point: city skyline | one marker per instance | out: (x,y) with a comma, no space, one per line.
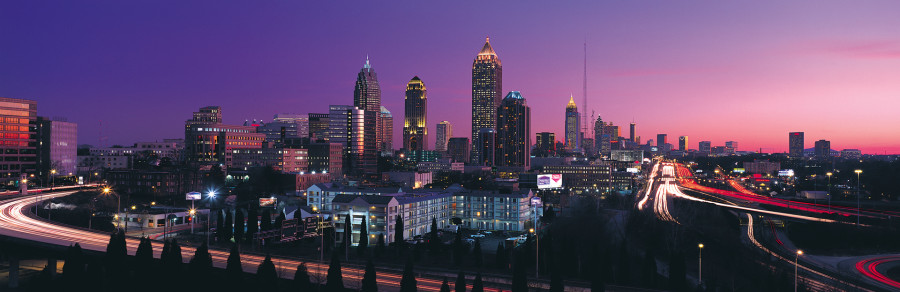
(747,77)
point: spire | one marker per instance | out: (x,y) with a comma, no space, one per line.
(487,49)
(367,65)
(571,102)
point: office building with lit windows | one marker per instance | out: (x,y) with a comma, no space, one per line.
(513,132)
(18,138)
(367,97)
(795,144)
(415,132)
(443,132)
(57,147)
(487,92)
(572,126)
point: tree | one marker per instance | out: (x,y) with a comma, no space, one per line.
(252,223)
(201,264)
(219,226)
(266,220)
(433,240)
(476,254)
(363,238)
(73,268)
(348,231)
(379,247)
(398,231)
(279,220)
(460,285)
(334,281)
(266,276)
(478,286)
(459,249)
(301,279)
(228,231)
(368,282)
(624,266)
(444,286)
(520,279)
(408,282)
(234,274)
(238,225)
(500,257)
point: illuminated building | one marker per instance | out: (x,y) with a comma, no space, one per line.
(443,132)
(851,154)
(762,166)
(487,146)
(387,130)
(573,139)
(56,147)
(513,131)
(487,91)
(795,144)
(731,146)
(459,148)
(367,97)
(415,133)
(18,144)
(318,126)
(207,141)
(683,143)
(631,134)
(545,144)
(593,177)
(347,128)
(823,149)
(705,147)
(661,140)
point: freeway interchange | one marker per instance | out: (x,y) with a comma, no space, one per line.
(668,181)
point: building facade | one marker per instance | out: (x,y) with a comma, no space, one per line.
(545,144)
(459,149)
(823,149)
(487,91)
(795,144)
(347,129)
(705,147)
(683,143)
(386,147)
(18,144)
(572,126)
(513,131)
(443,133)
(57,148)
(319,125)
(415,132)
(367,97)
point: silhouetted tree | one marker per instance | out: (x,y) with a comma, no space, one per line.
(238,225)
(459,249)
(434,242)
(649,269)
(398,232)
(200,266)
(624,266)
(279,220)
(476,254)
(266,276)
(408,282)
(444,286)
(363,238)
(519,280)
(334,281)
(74,266)
(501,256)
(556,277)
(460,285)
(252,223)
(379,247)
(368,282)
(228,228)
(266,221)
(478,285)
(234,273)
(348,231)
(302,281)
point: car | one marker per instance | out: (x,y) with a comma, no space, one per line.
(476,235)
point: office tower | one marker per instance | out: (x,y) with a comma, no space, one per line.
(573,127)
(283,126)
(513,131)
(795,144)
(57,147)
(823,149)
(302,122)
(18,137)
(661,140)
(588,145)
(443,132)
(487,145)
(631,134)
(387,129)
(705,147)
(602,136)
(545,144)
(367,97)
(731,146)
(459,148)
(415,133)
(318,126)
(487,91)
(208,141)
(683,143)
(347,128)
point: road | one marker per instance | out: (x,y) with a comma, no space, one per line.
(16,222)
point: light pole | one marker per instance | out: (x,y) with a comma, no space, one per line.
(700,265)
(52,178)
(210,197)
(858,171)
(796,258)
(107,191)
(829,174)
(537,255)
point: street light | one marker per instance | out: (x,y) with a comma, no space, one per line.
(52,178)
(858,171)
(107,191)
(829,189)
(537,254)
(796,258)
(211,196)
(700,265)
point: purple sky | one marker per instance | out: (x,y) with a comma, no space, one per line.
(748,71)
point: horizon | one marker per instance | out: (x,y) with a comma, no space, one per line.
(751,74)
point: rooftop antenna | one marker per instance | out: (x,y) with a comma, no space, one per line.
(584,128)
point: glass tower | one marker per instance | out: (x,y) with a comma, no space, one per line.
(487,91)
(414,131)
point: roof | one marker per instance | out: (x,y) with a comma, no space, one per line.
(371,199)
(514,95)
(487,49)
(571,103)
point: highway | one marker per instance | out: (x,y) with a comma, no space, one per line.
(15,221)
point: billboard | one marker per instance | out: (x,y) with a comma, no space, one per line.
(548,181)
(192,196)
(786,172)
(632,170)
(267,202)
(738,170)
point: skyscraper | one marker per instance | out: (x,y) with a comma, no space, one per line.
(573,126)
(823,149)
(661,140)
(443,132)
(795,144)
(318,126)
(545,145)
(57,147)
(459,148)
(487,146)
(683,143)
(631,133)
(513,131)
(602,138)
(347,128)
(415,133)
(731,146)
(208,141)
(705,147)
(18,149)
(387,131)
(367,97)
(487,90)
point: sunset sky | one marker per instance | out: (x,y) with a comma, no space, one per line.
(748,71)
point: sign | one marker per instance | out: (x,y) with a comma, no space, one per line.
(786,172)
(267,202)
(193,196)
(80,180)
(547,181)
(632,170)
(738,170)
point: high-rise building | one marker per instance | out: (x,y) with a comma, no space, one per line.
(443,132)
(459,148)
(301,120)
(387,130)
(545,144)
(850,153)
(795,144)
(18,137)
(683,143)
(661,140)
(602,136)
(487,145)
(631,133)
(57,147)
(283,126)
(487,91)
(415,132)
(367,97)
(731,146)
(573,126)
(513,131)
(705,147)
(318,126)
(823,149)
(347,128)
(208,141)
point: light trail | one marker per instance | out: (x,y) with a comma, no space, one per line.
(869,267)
(15,223)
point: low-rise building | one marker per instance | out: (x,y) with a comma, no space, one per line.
(412,179)
(762,166)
